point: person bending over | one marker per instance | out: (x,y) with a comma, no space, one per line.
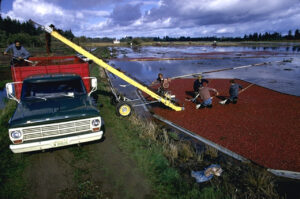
(204,93)
(163,84)
(19,52)
(197,83)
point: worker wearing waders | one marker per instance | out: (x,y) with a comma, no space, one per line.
(204,93)
(19,52)
(233,92)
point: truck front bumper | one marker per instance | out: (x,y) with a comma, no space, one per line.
(35,146)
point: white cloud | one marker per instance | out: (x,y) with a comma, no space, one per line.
(42,12)
(162,17)
(224,30)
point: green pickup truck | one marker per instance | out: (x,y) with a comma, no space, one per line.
(54,108)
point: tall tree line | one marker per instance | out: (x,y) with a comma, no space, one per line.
(26,32)
(250,37)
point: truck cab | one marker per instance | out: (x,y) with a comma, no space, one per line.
(55,107)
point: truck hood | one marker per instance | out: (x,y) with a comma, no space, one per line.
(39,111)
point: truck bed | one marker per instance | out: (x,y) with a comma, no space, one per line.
(51,65)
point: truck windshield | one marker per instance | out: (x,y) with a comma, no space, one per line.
(52,89)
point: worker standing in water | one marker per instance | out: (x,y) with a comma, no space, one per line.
(19,52)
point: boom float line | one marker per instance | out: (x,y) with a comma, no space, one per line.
(112,69)
(224,69)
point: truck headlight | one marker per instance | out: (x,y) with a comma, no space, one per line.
(16,134)
(96,122)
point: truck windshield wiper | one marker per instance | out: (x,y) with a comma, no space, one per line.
(67,95)
(35,97)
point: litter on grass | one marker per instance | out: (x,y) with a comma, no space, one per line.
(207,174)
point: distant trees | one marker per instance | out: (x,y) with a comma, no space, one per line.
(68,34)
(137,41)
(297,34)
(26,32)
(12,26)
(29,35)
(83,39)
(10,30)
(275,36)
(264,37)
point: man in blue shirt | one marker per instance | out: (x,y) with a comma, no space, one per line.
(19,52)
(233,92)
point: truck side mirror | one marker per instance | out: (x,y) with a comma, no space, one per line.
(93,85)
(9,89)
(10,92)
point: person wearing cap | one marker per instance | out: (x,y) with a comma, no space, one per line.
(199,82)
(233,93)
(204,93)
(19,52)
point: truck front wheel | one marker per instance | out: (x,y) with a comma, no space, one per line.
(124,109)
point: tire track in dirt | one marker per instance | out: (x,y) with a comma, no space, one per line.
(117,171)
(50,173)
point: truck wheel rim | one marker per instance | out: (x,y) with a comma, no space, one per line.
(124,110)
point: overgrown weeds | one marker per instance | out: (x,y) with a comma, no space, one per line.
(260,184)
(211,151)
(239,180)
(12,184)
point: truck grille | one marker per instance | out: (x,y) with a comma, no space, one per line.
(57,129)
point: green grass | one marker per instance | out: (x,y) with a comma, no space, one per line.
(12,183)
(2,83)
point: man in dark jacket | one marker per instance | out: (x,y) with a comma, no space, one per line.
(19,52)
(199,82)
(233,92)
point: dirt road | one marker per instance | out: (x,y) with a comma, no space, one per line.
(102,165)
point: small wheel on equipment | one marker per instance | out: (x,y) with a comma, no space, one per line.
(124,109)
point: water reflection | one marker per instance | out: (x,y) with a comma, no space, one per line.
(180,51)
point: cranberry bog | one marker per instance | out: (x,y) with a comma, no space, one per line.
(262,127)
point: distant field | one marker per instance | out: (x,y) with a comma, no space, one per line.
(200,43)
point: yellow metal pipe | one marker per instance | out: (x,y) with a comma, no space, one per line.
(115,71)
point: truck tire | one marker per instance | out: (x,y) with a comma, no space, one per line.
(124,109)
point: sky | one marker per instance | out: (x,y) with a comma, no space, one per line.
(175,18)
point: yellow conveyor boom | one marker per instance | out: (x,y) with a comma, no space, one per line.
(111,69)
